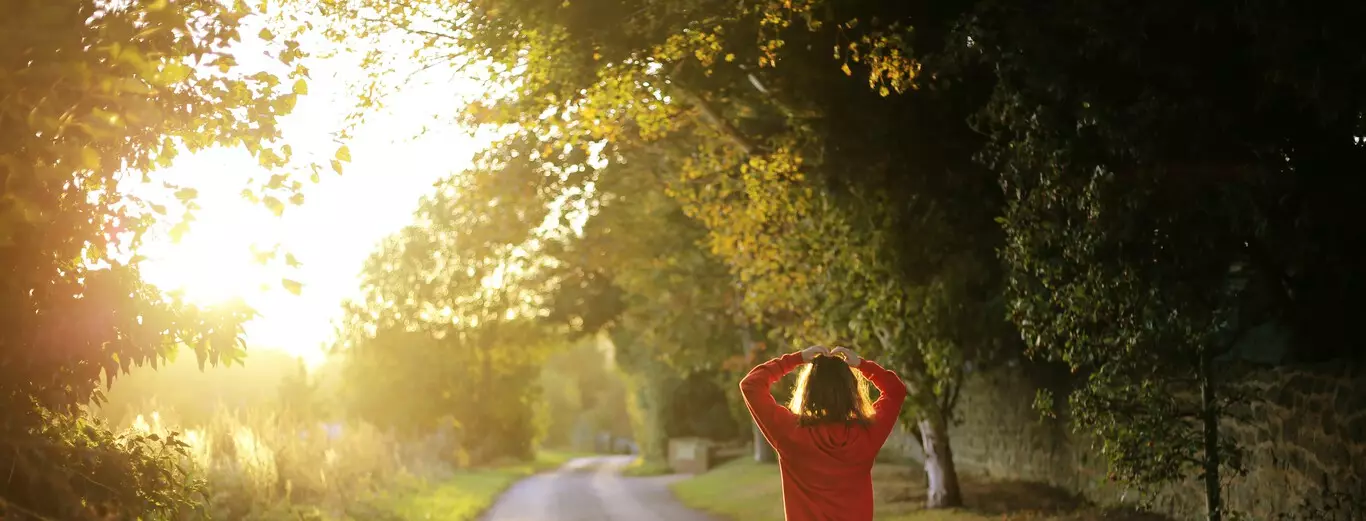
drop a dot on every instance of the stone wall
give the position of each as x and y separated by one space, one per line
1306 435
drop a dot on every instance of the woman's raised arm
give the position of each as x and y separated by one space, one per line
772 417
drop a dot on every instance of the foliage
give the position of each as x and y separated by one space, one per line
841 214
267 464
269 461
445 318
584 395
637 269
1166 199
1159 200
94 95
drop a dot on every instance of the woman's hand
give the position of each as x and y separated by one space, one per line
811 352
849 356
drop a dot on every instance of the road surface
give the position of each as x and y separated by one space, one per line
592 489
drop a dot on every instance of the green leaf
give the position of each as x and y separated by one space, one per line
292 286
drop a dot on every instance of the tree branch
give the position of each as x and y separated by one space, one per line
951 398
407 29
709 116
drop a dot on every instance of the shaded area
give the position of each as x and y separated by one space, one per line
752 492
903 487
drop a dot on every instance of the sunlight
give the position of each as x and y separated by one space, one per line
397 154
215 262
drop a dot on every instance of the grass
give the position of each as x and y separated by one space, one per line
749 491
643 468
468 493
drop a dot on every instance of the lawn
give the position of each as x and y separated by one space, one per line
744 490
468 493
643 468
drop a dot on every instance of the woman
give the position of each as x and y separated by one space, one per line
828 435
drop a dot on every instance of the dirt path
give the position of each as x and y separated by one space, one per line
592 489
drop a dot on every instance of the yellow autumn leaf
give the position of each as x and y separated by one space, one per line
292 286
90 159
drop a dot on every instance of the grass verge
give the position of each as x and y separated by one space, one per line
749 491
468 493
643 468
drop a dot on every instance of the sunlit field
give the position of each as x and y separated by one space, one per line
269 440
269 466
273 465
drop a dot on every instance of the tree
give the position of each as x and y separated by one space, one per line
450 314
677 300
94 94
1165 199
584 397
759 124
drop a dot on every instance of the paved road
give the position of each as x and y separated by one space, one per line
592 489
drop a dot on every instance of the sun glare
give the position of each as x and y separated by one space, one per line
216 260
212 265
398 153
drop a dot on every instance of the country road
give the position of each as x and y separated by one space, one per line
592 489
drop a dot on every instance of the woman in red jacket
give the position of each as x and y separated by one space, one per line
828 436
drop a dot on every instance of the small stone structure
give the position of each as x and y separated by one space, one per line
689 455
1306 435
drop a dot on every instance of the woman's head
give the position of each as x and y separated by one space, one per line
828 391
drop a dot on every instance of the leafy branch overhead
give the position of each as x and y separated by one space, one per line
806 182
96 95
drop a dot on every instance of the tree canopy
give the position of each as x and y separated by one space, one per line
907 176
841 213
1166 199
93 97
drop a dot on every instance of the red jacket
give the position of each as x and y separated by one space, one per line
826 469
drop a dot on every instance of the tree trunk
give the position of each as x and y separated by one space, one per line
1210 415
932 428
763 452
942 475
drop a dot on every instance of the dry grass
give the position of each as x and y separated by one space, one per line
744 490
261 467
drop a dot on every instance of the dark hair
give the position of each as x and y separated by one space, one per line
828 391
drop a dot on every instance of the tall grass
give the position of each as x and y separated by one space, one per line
267 465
